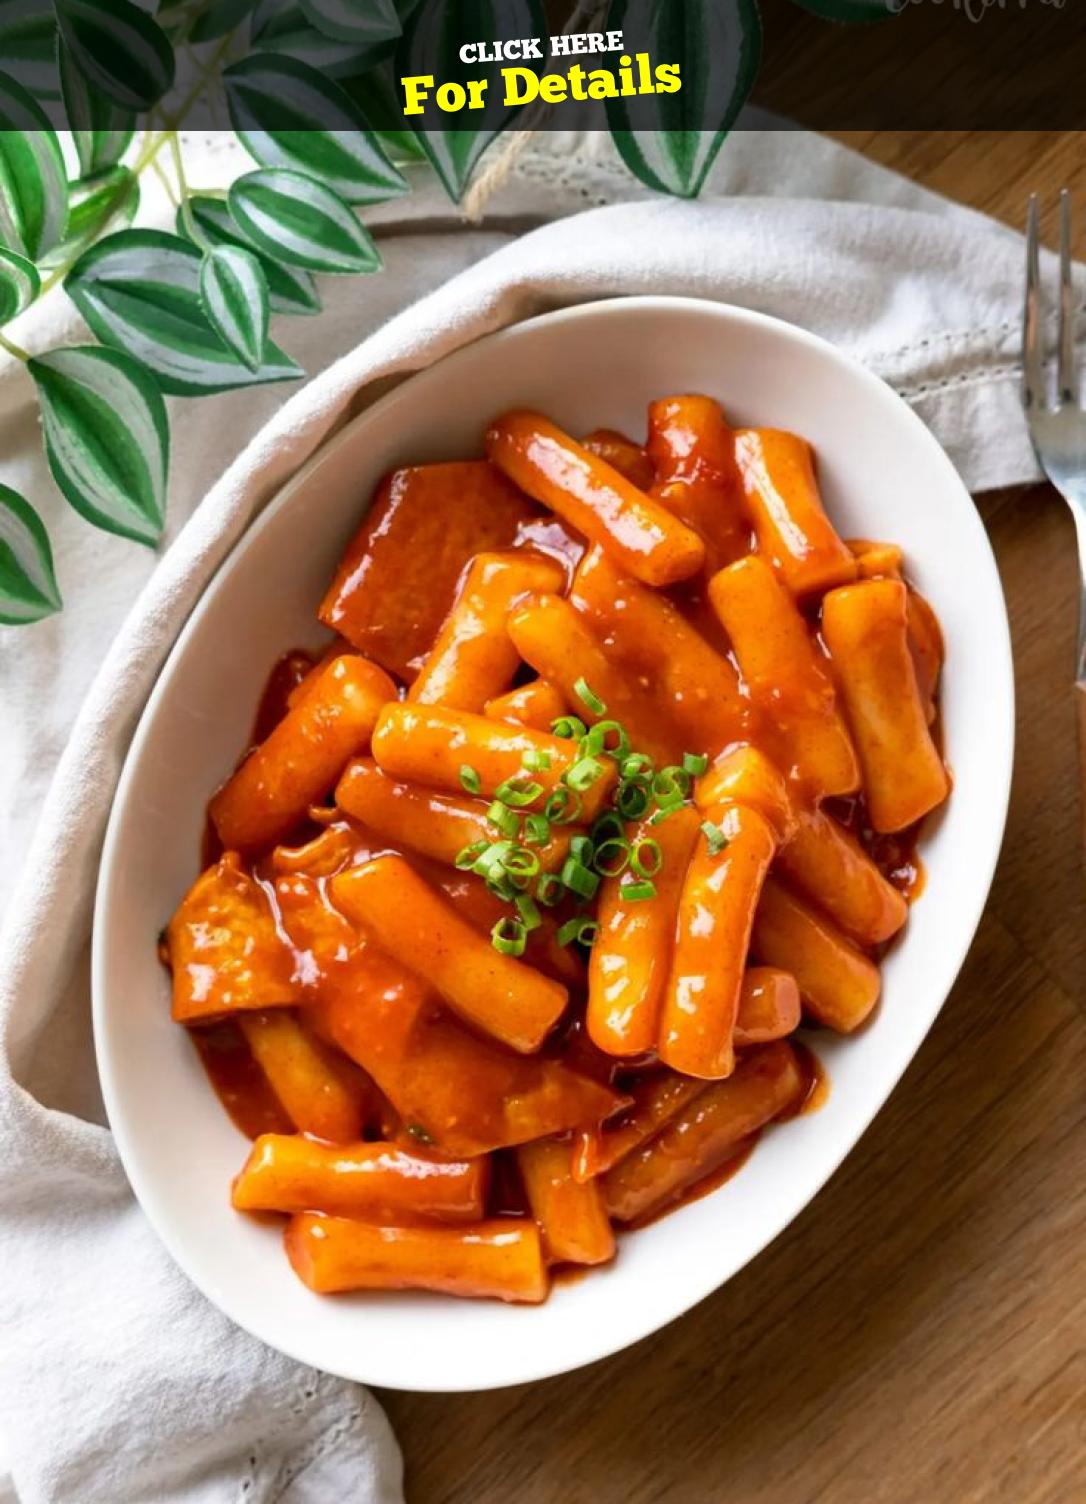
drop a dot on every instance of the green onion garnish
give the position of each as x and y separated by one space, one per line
694 763
548 890
635 765
520 862
569 728
536 760
536 830
509 936
584 773
671 785
586 697
530 916
606 736
715 838
647 858
467 856
635 892
579 879
581 847
612 857
470 781
503 818
518 792
584 930
633 798
563 807
608 826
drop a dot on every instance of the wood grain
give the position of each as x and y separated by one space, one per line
916 1337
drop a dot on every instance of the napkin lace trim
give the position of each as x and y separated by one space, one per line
277 1473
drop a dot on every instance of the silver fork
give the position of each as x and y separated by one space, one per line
1058 429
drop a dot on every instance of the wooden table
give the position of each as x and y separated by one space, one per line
917 1336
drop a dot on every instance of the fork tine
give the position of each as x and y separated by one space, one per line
1032 354
1066 375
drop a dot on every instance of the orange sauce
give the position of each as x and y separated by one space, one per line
704 1187
238 1081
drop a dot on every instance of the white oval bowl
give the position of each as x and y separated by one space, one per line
883 476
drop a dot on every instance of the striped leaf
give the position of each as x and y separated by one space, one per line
140 291
119 49
235 298
101 129
106 438
28 585
218 19
376 94
300 221
290 290
99 207
281 27
33 183
28 45
288 115
19 284
373 25
431 45
670 141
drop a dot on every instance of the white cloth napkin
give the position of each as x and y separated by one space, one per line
119 1382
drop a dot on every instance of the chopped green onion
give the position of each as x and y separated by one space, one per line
694 763
530 916
518 792
470 781
586 697
536 760
661 814
647 858
635 892
633 798
608 827
596 741
509 936
584 930
501 885
467 856
520 862
671 785
579 879
584 773
715 838
581 847
636 765
612 857
537 830
501 816
563 807
569 728
490 859
549 889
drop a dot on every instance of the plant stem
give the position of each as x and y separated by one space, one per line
192 229
12 348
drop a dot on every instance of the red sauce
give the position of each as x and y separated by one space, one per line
238 1081
704 1187
284 678
817 1084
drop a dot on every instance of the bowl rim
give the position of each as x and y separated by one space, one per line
998 670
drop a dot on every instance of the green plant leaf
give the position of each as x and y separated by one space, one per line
19 284
33 183
281 26
375 95
235 298
28 45
106 438
218 19
663 138
431 45
28 585
119 49
140 291
863 11
300 221
101 129
290 289
97 208
373 25
287 115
